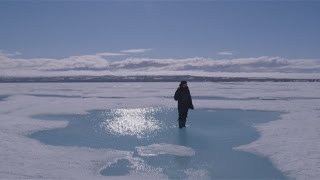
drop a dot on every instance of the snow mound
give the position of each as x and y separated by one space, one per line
163 148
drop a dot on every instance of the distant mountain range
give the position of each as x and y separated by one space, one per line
147 79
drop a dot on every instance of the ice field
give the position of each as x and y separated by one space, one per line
129 131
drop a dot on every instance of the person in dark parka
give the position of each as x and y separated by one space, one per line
184 99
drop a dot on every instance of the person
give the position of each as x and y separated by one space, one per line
183 96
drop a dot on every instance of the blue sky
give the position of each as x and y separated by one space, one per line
167 29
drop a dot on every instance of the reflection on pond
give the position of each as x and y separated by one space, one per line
135 122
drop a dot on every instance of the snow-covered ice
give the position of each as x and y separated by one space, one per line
291 143
156 149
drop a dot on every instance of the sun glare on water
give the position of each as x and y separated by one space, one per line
139 122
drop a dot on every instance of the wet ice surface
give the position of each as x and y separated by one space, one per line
203 149
291 143
3 97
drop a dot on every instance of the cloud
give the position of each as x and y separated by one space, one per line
5 53
97 64
110 54
43 65
135 51
225 53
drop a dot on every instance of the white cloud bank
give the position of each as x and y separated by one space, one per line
225 53
110 54
98 64
135 51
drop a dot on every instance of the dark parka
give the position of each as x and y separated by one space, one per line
183 96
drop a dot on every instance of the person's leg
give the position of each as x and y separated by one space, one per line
180 124
181 118
183 112
185 118
184 123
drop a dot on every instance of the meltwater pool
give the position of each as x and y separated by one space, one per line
204 149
